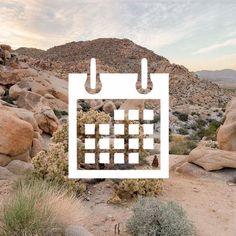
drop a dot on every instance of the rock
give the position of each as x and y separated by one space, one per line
76 230
212 159
5 174
31 101
46 120
190 169
4 160
2 91
36 147
27 116
18 167
22 157
12 76
226 135
109 107
96 104
17 88
48 83
133 104
49 96
6 47
16 135
155 162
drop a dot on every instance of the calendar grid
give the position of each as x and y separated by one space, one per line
120 142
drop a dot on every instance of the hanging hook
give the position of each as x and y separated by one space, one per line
93 83
144 73
93 74
144 83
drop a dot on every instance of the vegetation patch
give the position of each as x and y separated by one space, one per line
154 217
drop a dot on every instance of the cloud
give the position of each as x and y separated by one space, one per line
229 42
179 29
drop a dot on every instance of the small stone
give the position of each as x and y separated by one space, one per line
109 107
2 91
4 160
5 174
18 167
76 230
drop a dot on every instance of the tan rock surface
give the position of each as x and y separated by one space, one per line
16 135
212 159
46 119
4 160
226 135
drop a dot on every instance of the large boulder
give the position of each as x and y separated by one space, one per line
226 135
12 76
31 101
16 135
25 90
211 158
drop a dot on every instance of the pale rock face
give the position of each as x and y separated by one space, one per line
36 147
31 101
212 159
96 103
46 119
16 135
226 135
18 167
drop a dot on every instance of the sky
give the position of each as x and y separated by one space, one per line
199 34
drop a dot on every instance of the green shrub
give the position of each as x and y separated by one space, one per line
132 188
36 207
153 217
183 131
52 166
60 113
24 214
181 116
211 131
182 147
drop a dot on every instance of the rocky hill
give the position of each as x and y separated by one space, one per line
122 56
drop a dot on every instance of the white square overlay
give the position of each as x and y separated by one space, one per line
119 86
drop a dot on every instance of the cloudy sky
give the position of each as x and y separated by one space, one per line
200 34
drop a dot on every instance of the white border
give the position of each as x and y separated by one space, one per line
123 87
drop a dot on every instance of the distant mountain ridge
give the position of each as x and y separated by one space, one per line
124 56
226 75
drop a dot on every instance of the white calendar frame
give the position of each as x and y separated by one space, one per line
119 86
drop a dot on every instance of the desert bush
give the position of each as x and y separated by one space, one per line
211 131
25 214
152 217
36 207
132 188
59 113
183 131
52 166
182 147
181 116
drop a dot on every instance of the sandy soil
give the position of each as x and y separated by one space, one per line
209 202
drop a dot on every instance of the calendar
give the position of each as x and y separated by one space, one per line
114 147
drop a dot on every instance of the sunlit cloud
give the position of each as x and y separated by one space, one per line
230 42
